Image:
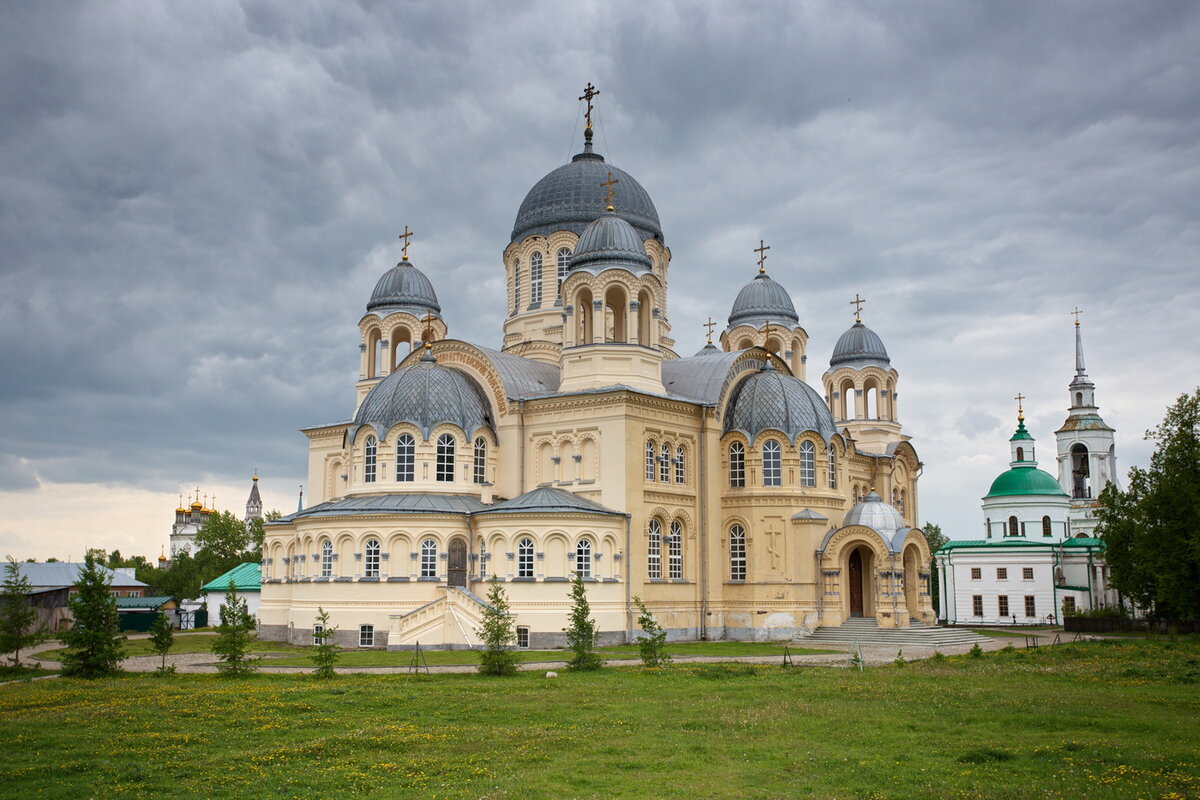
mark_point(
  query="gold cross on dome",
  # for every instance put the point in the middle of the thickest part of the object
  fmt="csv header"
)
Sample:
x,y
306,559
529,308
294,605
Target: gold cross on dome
x,y
405,237
427,335
1076,314
858,303
1020,398
588,94
710,325
609,184
762,256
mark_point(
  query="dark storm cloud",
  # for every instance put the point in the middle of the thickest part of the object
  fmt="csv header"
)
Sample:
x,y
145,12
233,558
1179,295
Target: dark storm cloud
x,y
196,200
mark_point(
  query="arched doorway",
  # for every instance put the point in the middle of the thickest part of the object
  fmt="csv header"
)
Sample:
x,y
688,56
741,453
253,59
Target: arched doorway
x,y
854,577
912,586
457,562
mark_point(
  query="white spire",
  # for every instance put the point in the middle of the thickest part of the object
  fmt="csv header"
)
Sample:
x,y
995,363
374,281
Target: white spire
x,y
1079,369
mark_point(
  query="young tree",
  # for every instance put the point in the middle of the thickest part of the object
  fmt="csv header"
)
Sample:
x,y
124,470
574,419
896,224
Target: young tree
x,y
581,634
18,619
232,642
94,642
161,639
1152,541
499,637
935,539
652,646
325,655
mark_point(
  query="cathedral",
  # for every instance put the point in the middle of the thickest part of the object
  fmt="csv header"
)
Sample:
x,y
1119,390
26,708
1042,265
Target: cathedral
x,y
730,496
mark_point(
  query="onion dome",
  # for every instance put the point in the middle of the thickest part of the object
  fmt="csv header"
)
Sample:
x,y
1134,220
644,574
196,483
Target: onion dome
x,y
1025,480
860,347
567,200
763,301
425,394
770,400
404,288
877,515
197,506
608,242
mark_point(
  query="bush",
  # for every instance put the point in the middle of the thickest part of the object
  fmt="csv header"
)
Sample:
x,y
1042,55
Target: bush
x,y
652,646
325,655
499,638
582,634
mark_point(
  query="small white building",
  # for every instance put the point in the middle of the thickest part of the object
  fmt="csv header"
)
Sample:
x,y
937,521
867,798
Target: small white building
x,y
247,582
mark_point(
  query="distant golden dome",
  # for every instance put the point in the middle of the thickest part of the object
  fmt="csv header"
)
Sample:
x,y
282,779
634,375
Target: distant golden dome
x,y
197,506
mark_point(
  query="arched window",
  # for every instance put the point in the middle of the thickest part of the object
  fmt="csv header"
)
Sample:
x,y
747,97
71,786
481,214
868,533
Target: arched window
x,y
654,550
1020,454
583,558
737,553
737,465
680,460
650,451
987,527
525,558
371,559
564,260
405,450
675,551
480,471
832,468
1013,527
516,286
856,495
535,280
808,464
1079,398
772,474
429,559
445,458
1046,527
664,464
372,446
900,505
326,559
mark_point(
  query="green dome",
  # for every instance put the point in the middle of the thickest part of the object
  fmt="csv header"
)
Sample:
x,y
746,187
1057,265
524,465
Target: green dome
x,y
1025,480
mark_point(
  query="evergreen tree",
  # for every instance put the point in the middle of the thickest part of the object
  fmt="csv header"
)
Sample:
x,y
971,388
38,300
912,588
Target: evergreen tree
x,y
18,619
326,654
582,635
232,642
653,645
161,639
94,642
935,539
499,637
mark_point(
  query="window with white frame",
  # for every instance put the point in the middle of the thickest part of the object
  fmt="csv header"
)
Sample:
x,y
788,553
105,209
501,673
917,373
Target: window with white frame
x,y
445,458
976,573
366,635
326,559
650,451
737,465
564,262
369,453
772,474
522,637
480,471
808,464
535,280
516,286
1002,605
654,550
832,468
1046,527
405,457
1030,606
664,464
680,460
675,551
1001,573
1014,527
977,605
737,553
429,559
371,559
525,558
583,558
1027,573
318,634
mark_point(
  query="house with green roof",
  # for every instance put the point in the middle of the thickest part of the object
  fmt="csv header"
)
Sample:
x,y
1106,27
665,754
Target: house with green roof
x,y
246,579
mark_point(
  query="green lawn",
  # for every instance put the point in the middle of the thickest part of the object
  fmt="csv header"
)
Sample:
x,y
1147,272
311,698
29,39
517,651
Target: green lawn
x,y
1095,720
186,643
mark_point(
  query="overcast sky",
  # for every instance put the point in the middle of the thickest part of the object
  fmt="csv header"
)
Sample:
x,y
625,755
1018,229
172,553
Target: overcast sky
x,y
196,200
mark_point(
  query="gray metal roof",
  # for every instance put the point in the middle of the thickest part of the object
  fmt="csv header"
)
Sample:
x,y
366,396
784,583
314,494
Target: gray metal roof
x,y
522,377
404,288
411,503
425,394
763,301
548,499
871,512
698,379
570,198
709,349
66,573
808,514
769,400
860,346
608,242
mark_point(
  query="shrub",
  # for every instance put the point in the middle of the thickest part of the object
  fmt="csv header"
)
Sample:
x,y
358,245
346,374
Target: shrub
x,y
652,646
581,633
499,638
326,652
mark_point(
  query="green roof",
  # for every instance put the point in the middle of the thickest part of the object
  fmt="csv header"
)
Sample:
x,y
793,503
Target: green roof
x,y
1014,541
150,603
246,578
1021,432
1083,541
1023,481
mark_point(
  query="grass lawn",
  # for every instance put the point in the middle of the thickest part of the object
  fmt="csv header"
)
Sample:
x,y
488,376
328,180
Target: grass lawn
x,y
186,643
1096,720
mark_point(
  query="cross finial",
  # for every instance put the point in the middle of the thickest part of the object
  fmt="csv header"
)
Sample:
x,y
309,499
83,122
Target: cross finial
x,y
427,335
1076,314
405,237
609,184
858,303
1020,408
762,256
710,325
588,94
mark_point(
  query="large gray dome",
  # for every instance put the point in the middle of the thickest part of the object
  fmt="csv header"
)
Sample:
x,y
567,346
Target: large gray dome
x,y
860,346
770,400
404,288
570,197
762,300
425,394
610,241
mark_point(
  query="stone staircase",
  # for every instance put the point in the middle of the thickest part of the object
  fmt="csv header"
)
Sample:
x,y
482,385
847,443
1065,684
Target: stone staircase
x,y
447,622
867,633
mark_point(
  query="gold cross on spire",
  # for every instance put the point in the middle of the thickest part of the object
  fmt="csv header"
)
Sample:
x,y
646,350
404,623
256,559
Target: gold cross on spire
x,y
427,335
1020,408
588,94
857,302
609,184
1076,314
710,325
405,237
762,256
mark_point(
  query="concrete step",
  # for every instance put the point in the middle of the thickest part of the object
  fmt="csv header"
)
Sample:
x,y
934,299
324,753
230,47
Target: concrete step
x,y
867,632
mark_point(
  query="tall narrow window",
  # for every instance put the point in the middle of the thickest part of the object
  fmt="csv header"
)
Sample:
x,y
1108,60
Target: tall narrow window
x,y
405,450
675,551
1002,605
583,558
737,553
1030,605
525,558
326,559
654,550
664,464
650,451
1014,528
564,261
480,471
987,527
516,286
429,559
535,280
1046,527
832,468
445,458
372,447
772,475
900,503
366,635
680,460
808,464
371,559
737,465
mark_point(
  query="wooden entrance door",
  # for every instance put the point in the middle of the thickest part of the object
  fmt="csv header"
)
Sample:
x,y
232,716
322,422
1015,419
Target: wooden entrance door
x,y
856,583
457,568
